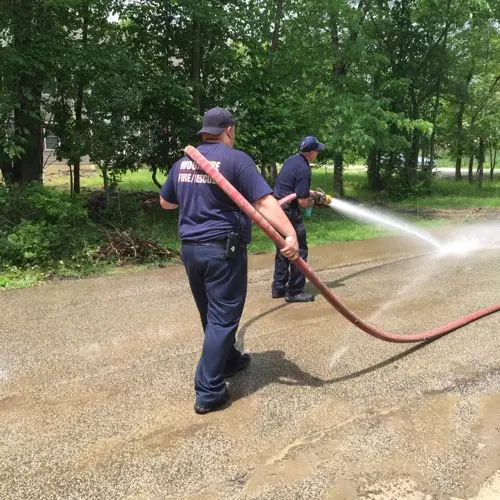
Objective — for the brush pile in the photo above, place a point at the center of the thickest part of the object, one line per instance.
(124, 247)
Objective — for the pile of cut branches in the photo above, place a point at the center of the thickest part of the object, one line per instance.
(123, 246)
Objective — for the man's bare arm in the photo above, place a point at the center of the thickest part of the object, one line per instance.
(167, 205)
(269, 207)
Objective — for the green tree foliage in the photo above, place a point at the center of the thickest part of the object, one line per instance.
(41, 227)
(125, 83)
(30, 42)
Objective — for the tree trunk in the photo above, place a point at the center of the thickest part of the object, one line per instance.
(28, 87)
(276, 32)
(71, 180)
(154, 171)
(7, 169)
(340, 64)
(263, 170)
(480, 165)
(334, 36)
(471, 171)
(79, 102)
(27, 119)
(428, 170)
(424, 151)
(195, 63)
(105, 180)
(273, 172)
(374, 180)
(338, 181)
(458, 165)
(412, 160)
(493, 161)
(460, 127)
(337, 71)
(76, 170)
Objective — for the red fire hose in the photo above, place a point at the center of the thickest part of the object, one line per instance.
(258, 219)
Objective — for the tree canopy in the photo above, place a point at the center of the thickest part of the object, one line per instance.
(394, 82)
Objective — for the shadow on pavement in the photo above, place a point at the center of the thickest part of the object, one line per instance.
(240, 336)
(271, 367)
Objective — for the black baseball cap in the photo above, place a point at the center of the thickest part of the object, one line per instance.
(215, 120)
(310, 143)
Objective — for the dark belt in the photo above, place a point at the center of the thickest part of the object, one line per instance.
(215, 243)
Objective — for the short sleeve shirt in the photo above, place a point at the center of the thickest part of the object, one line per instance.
(206, 212)
(294, 177)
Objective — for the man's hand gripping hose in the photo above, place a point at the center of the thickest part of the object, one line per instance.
(258, 219)
(319, 197)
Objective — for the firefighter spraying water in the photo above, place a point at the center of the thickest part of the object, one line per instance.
(263, 224)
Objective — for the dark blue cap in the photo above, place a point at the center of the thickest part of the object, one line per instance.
(310, 143)
(216, 120)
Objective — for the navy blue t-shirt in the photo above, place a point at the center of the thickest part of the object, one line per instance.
(294, 177)
(206, 212)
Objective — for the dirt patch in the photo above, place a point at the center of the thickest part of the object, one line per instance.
(452, 214)
(58, 170)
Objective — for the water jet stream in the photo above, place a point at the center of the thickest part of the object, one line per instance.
(363, 214)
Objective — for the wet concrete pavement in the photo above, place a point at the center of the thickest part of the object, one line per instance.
(96, 386)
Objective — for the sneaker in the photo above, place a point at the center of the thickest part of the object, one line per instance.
(278, 295)
(203, 409)
(241, 364)
(299, 297)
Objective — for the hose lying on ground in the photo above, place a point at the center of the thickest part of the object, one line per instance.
(258, 219)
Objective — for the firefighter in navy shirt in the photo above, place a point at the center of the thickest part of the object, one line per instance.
(295, 177)
(218, 279)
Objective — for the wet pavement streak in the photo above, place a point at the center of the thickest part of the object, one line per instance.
(96, 386)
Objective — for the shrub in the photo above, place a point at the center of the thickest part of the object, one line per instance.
(41, 226)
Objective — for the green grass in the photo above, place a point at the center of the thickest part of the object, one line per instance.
(324, 226)
(161, 225)
(446, 161)
(133, 181)
(14, 279)
(446, 193)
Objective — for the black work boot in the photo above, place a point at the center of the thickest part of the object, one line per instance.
(241, 363)
(299, 297)
(278, 295)
(203, 409)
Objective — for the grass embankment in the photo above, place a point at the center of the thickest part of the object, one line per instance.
(324, 226)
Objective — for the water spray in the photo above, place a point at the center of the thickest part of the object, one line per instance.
(260, 221)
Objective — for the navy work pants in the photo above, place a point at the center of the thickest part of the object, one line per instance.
(287, 278)
(219, 288)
